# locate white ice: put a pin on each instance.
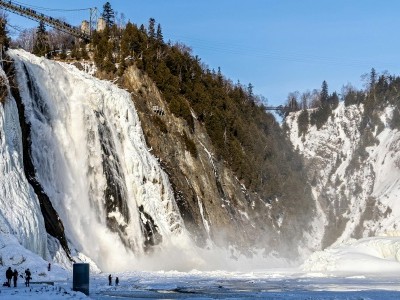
(360, 269)
(65, 123)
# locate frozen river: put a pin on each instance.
(263, 285)
(366, 269)
(271, 284)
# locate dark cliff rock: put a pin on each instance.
(213, 202)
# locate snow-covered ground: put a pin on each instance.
(270, 284)
(359, 269)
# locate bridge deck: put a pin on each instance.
(53, 22)
(285, 108)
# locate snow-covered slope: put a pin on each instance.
(374, 255)
(355, 175)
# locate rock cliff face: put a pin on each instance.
(354, 175)
(214, 204)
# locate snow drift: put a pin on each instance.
(375, 255)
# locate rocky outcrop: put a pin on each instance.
(214, 204)
(353, 173)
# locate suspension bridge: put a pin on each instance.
(56, 23)
(279, 108)
(291, 106)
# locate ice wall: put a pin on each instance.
(20, 212)
(90, 156)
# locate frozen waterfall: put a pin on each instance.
(20, 213)
(91, 159)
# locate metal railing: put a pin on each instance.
(36, 16)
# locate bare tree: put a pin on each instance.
(184, 49)
(25, 39)
(315, 99)
(305, 99)
(120, 20)
(292, 100)
(59, 40)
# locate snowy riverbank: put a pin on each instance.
(367, 269)
(270, 284)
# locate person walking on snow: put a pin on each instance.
(109, 279)
(9, 275)
(15, 277)
(116, 281)
(27, 277)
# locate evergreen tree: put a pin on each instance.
(4, 39)
(351, 95)
(143, 29)
(151, 29)
(250, 88)
(75, 53)
(370, 101)
(103, 54)
(319, 116)
(219, 76)
(334, 100)
(159, 35)
(108, 14)
(372, 85)
(41, 44)
(324, 95)
(372, 79)
(395, 121)
(302, 122)
(84, 54)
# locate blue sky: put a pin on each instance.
(280, 46)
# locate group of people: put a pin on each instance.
(110, 280)
(10, 274)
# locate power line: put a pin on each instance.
(14, 27)
(50, 21)
(50, 9)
